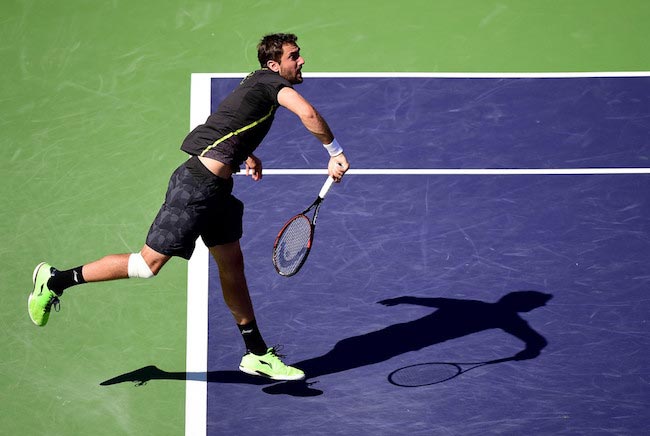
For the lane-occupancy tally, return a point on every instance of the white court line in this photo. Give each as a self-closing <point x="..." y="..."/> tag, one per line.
<point x="196" y="361"/>
<point x="197" y="284"/>
<point x="452" y="75"/>
<point x="461" y="172"/>
<point x="484" y="75"/>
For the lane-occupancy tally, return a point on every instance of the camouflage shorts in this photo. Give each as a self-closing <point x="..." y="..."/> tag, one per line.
<point x="197" y="203"/>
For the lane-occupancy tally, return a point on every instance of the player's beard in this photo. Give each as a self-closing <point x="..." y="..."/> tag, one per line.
<point x="295" y="78"/>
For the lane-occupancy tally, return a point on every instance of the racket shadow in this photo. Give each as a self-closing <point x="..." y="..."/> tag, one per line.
<point x="433" y="373"/>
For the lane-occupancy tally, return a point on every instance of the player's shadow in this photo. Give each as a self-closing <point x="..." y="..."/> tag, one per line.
<point x="453" y="318"/>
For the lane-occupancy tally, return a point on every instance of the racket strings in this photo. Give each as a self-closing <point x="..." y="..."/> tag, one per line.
<point x="424" y="374"/>
<point x="292" y="245"/>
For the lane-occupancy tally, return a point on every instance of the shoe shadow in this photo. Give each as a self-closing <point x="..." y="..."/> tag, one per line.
<point x="453" y="318"/>
<point x="142" y="376"/>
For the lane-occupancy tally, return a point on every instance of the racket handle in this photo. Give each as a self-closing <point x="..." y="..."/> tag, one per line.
<point x="326" y="187"/>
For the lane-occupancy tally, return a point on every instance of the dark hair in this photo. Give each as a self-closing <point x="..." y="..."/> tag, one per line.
<point x="270" y="47"/>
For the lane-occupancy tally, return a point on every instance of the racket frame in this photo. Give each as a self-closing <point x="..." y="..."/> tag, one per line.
<point x="458" y="366"/>
<point x="312" y="223"/>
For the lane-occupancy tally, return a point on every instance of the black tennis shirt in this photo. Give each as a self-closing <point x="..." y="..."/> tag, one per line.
<point x="241" y="121"/>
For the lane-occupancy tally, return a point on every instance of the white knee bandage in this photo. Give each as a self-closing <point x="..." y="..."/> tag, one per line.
<point x="138" y="268"/>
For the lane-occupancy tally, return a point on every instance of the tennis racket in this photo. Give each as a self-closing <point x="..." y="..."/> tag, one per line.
<point x="431" y="373"/>
<point x="293" y="243"/>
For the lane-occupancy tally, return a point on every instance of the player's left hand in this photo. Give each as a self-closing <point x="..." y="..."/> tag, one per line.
<point x="254" y="167"/>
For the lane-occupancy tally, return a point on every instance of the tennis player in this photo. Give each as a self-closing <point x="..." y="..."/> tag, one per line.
<point x="199" y="200"/>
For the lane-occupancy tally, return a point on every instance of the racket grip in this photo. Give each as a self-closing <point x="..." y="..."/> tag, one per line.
<point x="326" y="187"/>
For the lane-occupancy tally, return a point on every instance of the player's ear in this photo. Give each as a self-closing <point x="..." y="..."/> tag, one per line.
<point x="273" y="65"/>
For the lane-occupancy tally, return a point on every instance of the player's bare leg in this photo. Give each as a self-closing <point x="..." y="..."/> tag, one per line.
<point x="116" y="266"/>
<point x="49" y="283"/>
<point x="230" y="260"/>
<point x="258" y="360"/>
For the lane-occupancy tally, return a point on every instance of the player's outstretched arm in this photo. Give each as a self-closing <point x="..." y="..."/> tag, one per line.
<point x="316" y="124"/>
<point x="309" y="116"/>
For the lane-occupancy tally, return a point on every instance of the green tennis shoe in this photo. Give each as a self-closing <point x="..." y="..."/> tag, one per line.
<point x="42" y="299"/>
<point x="269" y="365"/>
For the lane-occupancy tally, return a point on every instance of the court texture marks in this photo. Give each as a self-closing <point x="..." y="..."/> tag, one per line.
<point x="467" y="192"/>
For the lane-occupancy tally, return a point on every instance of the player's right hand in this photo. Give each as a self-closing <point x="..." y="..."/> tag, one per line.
<point x="338" y="166"/>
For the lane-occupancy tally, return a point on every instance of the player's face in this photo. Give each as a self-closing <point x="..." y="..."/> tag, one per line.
<point x="291" y="63"/>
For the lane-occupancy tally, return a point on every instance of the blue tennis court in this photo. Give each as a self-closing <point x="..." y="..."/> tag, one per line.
<point x="414" y="267"/>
